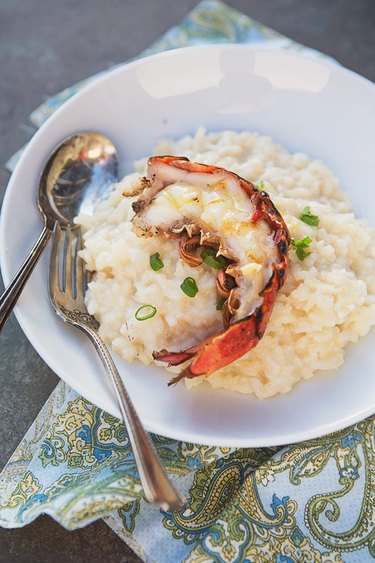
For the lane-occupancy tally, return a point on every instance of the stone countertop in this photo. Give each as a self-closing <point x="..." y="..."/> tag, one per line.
<point x="46" y="46"/>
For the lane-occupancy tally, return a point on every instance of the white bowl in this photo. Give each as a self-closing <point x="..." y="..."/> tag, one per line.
<point x="305" y="104"/>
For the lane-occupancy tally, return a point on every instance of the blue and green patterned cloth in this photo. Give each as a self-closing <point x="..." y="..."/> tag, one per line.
<point x="313" y="501"/>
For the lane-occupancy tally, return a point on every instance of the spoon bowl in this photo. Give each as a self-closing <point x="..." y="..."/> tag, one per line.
<point x="76" y="176"/>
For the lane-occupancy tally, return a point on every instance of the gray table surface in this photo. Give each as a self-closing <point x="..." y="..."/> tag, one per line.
<point x="46" y="45"/>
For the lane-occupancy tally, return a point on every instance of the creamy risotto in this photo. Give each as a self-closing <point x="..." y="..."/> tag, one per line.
<point x="328" y="299"/>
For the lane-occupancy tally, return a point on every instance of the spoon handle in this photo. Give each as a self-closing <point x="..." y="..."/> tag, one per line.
<point x="14" y="290"/>
<point x="157" y="487"/>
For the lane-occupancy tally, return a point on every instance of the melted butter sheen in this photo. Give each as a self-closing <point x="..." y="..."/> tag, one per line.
<point x="227" y="211"/>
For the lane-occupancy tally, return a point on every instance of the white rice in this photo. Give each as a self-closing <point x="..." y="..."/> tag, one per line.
<point x="327" y="301"/>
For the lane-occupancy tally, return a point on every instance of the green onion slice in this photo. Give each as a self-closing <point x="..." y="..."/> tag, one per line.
<point x="307" y="217"/>
<point x="189" y="287"/>
<point x="155" y="262"/>
<point x="261" y="185"/>
<point x="220" y="304"/>
<point x="300" y="246"/>
<point x="302" y="254"/>
<point x="302" y="243"/>
<point x="145" y="312"/>
<point x="209" y="257"/>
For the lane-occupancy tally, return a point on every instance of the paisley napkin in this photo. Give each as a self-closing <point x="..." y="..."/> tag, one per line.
<point x="313" y="501"/>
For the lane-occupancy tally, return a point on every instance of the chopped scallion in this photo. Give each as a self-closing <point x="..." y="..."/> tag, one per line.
<point x="220" y="304"/>
<point x="302" y="254"/>
<point x="300" y="246"/>
<point x="307" y="217"/>
<point x="209" y="257"/>
<point x="189" y="287"/>
<point x="302" y="243"/>
<point x="149" y="311"/>
<point x="155" y="262"/>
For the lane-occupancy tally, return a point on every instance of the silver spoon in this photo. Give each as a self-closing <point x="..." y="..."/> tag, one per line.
<point x="77" y="173"/>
